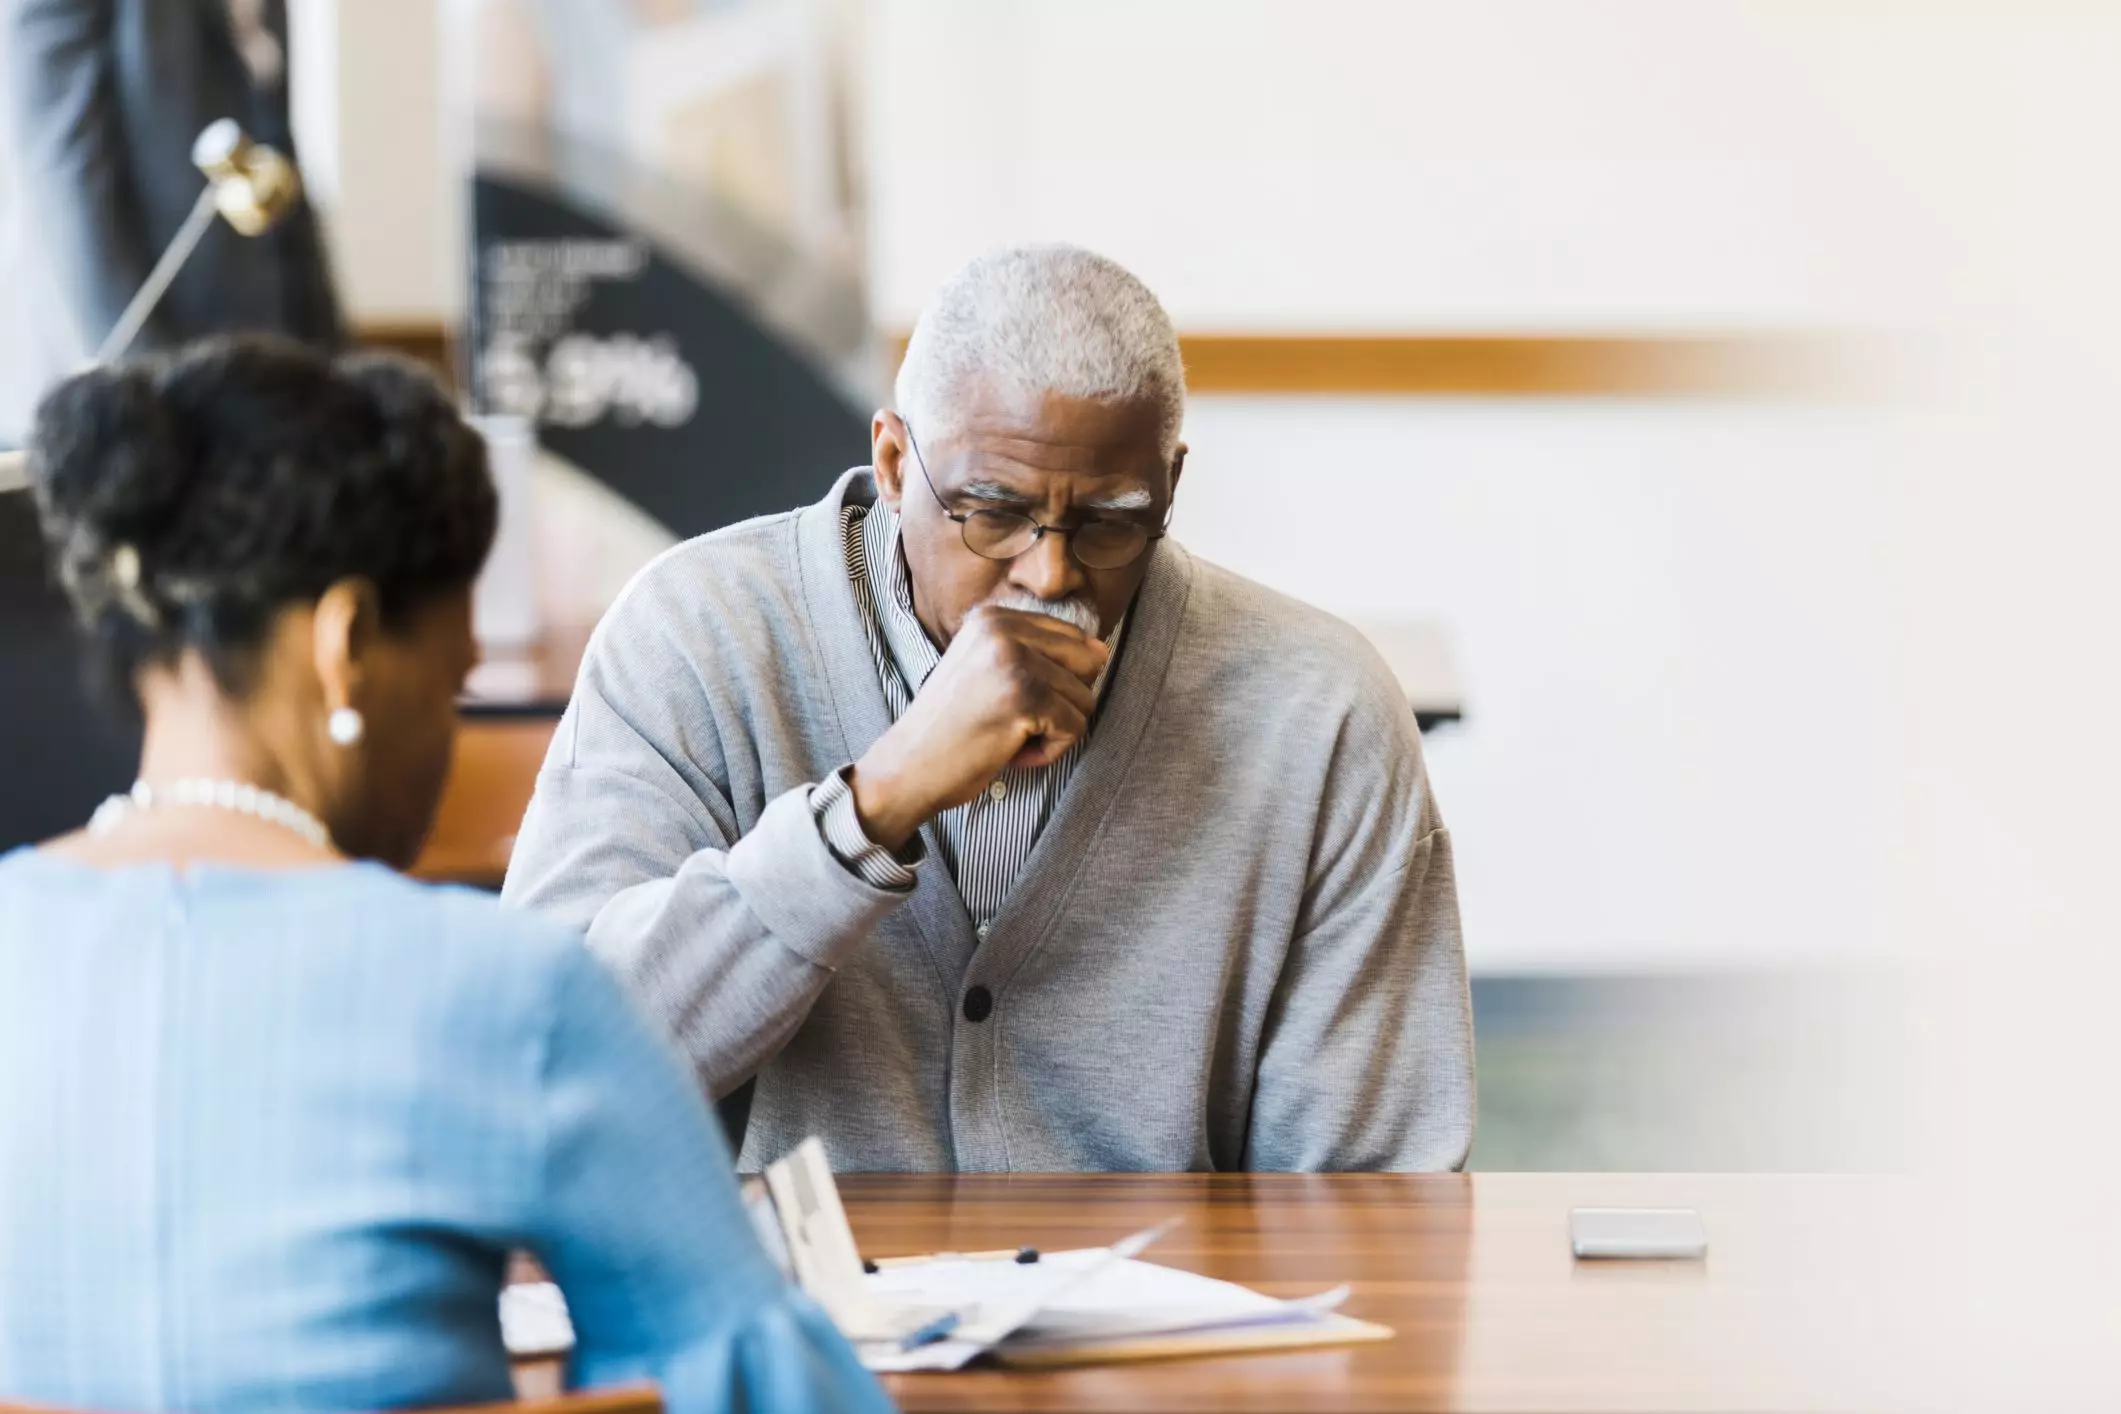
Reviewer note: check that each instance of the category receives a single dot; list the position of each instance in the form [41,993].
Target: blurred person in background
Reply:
[273,1117]
[104,101]
[966,821]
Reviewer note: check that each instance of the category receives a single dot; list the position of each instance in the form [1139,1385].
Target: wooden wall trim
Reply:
[1437,365]
[428,340]
[1497,365]
[1508,365]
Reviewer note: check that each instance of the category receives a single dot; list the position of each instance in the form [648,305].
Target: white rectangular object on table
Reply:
[1654,1234]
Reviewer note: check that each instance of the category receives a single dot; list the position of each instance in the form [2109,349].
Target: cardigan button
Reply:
[979,1005]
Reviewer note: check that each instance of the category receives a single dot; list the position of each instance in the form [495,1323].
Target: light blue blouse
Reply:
[266,1139]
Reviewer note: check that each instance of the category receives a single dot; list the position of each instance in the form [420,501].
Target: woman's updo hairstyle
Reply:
[188,499]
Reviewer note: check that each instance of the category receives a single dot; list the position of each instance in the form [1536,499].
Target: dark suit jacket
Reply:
[106,98]
[61,752]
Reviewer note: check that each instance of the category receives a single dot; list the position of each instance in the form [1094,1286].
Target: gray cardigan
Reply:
[1235,946]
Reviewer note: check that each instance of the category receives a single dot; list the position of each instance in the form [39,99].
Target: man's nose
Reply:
[1047,569]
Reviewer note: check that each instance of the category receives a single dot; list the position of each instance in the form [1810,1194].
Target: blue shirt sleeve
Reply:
[641,1226]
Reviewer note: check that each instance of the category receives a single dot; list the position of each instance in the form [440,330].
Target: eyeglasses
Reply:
[1003,535]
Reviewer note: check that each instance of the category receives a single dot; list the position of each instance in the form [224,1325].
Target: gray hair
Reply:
[1033,319]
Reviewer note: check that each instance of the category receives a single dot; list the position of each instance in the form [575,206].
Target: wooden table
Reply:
[506,721]
[1800,1304]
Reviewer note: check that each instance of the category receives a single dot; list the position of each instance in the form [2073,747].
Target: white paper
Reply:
[1068,1323]
[1084,1295]
[889,1359]
[992,1297]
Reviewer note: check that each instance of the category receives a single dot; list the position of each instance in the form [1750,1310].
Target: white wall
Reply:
[1308,164]
[1672,624]
[1423,164]
[376,153]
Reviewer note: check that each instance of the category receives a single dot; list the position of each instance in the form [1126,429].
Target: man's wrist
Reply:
[888,812]
[832,802]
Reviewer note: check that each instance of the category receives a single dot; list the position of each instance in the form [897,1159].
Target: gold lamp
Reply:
[253,185]
[248,184]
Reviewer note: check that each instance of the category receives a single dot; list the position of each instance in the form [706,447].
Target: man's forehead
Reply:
[1060,419]
[1023,442]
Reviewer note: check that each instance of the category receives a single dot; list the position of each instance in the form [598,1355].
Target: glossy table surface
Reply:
[1799,1305]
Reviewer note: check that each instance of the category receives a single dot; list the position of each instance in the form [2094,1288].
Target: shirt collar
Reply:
[912,652]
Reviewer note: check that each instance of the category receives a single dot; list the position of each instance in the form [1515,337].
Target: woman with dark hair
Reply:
[271,1116]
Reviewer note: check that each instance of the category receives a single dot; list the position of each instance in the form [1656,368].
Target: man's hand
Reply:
[1013,690]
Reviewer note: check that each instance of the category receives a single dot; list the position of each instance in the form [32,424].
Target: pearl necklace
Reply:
[214,795]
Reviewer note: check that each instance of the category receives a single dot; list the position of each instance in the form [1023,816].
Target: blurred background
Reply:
[1651,380]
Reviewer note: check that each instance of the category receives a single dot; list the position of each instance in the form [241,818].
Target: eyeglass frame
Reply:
[1039,529]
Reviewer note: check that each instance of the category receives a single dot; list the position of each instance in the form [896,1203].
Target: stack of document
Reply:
[1094,1304]
[1086,1306]
[1067,1308]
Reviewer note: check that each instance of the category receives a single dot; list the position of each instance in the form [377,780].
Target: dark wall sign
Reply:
[641,372]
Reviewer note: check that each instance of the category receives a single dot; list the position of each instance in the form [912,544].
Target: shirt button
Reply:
[979,1005]
[982,931]
[996,791]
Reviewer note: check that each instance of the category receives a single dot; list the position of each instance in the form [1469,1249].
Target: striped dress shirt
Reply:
[984,844]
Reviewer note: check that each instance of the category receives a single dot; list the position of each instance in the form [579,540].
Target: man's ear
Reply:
[344,629]
[887,456]
[1178,467]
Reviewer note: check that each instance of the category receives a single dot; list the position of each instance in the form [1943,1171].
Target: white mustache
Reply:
[1068,611]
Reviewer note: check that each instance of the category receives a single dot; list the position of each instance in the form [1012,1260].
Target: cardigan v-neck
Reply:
[1235,944]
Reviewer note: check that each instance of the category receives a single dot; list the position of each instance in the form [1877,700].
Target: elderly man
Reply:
[973,824]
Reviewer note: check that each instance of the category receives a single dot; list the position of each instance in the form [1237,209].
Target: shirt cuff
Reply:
[832,803]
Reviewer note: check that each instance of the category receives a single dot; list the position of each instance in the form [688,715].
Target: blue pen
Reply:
[934,1331]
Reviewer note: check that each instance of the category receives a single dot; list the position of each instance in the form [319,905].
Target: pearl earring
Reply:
[345,726]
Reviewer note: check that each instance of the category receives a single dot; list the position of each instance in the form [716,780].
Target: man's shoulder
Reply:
[1298,695]
[1241,624]
[731,595]
[747,562]
[751,567]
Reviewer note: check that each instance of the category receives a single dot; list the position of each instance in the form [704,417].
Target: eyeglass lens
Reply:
[1099,544]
